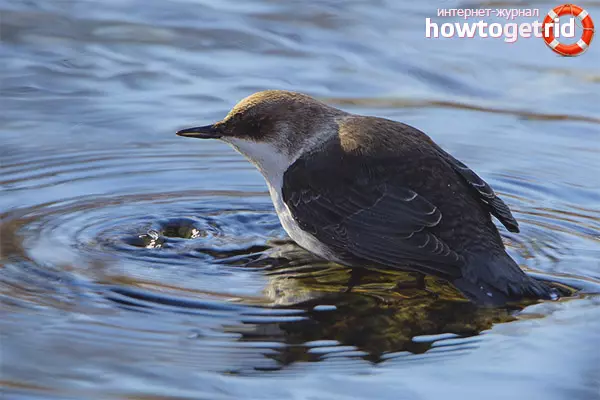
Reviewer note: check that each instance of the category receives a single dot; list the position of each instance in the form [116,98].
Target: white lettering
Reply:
[511,33]
[447,30]
[547,28]
[481,25]
[570,26]
[536,26]
[429,26]
[525,30]
[466,30]
[502,13]
[498,28]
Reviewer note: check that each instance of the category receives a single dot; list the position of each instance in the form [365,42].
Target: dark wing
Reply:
[485,193]
[367,219]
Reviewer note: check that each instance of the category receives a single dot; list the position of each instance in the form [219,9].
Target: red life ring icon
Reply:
[582,44]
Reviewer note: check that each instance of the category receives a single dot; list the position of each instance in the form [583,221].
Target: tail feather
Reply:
[497,280]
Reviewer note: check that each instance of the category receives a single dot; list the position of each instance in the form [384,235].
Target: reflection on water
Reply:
[138,265]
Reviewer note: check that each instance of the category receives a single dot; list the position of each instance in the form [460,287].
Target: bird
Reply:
[369,192]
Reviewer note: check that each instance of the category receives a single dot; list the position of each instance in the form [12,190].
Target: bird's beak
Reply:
[201,132]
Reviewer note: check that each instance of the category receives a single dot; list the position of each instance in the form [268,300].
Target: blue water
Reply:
[136,263]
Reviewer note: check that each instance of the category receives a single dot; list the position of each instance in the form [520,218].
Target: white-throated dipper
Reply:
[366,191]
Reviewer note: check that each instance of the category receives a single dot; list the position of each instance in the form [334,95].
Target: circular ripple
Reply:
[208,262]
[160,237]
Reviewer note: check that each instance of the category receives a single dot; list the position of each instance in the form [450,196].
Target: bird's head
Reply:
[272,127]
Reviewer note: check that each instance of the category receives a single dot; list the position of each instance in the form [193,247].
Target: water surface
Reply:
[136,263]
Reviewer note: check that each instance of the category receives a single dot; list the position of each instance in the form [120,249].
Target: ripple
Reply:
[434,103]
[136,265]
[555,234]
[215,265]
[38,172]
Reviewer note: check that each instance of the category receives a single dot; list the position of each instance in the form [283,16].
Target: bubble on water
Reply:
[153,234]
[152,240]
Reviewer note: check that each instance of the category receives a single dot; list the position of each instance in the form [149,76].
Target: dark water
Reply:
[136,264]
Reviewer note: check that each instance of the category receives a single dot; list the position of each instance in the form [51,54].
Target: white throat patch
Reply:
[270,160]
[272,163]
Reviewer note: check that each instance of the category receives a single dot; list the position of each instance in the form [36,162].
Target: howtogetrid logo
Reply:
[550,25]
[551,30]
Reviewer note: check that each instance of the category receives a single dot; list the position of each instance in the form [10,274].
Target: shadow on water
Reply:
[307,301]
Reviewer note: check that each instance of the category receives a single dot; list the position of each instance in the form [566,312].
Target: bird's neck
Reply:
[267,158]
[272,160]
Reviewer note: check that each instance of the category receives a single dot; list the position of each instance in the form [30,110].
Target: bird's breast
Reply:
[300,236]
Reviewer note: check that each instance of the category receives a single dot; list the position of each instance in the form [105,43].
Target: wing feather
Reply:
[375,222]
[486,194]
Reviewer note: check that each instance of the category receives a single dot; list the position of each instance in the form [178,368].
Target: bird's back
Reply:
[381,192]
[404,156]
